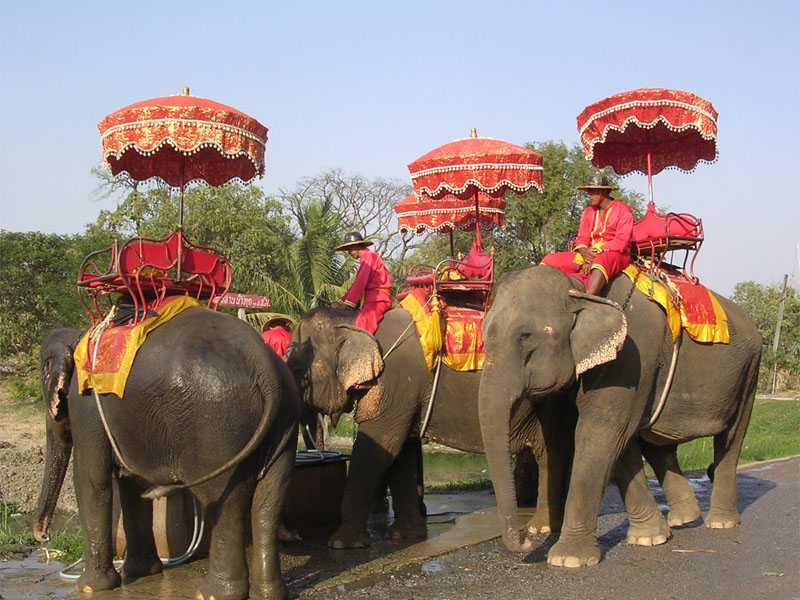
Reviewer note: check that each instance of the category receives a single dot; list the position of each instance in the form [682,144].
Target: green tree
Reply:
[314,270]
[761,303]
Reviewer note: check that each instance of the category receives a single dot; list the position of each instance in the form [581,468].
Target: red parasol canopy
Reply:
[648,130]
[181,139]
[418,214]
[476,163]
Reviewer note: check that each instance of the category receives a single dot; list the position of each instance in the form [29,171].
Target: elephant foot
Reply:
[683,512]
[134,568]
[407,531]
[722,519]
[96,581]
[652,532]
[216,589]
[269,591]
[347,538]
[574,553]
[541,523]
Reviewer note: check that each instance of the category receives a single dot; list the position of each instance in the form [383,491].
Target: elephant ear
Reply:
[359,360]
[56,376]
[599,330]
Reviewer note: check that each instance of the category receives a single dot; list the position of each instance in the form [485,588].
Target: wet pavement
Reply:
[461,560]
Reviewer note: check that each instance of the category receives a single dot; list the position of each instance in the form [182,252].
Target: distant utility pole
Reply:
[776,339]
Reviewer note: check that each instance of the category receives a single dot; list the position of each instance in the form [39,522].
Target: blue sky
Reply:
[369,86]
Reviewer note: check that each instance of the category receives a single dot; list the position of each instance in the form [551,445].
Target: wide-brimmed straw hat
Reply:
[352,241]
[274,321]
[598,181]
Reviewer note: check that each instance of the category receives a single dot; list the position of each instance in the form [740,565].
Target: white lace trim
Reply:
[646,103]
[117,154]
[423,227]
[438,211]
[193,122]
[477,166]
[474,182]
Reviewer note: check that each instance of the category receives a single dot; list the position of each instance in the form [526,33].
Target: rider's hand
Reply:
[588,254]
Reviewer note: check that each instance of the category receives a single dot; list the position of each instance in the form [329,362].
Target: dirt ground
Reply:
[22,452]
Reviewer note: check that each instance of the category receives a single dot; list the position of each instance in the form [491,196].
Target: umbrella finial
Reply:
[474,132]
[186,90]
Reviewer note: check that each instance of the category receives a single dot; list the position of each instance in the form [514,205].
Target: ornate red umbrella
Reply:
[648,130]
[181,139]
[418,214]
[466,168]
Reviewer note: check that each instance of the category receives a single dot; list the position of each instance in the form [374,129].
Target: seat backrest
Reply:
[213,266]
[141,252]
[477,264]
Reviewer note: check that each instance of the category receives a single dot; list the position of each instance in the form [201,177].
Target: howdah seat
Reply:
[655,234]
[145,271]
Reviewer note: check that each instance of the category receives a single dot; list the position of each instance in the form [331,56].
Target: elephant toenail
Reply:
[592,561]
[572,562]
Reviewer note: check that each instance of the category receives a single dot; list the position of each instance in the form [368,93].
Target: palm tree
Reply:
[315,272]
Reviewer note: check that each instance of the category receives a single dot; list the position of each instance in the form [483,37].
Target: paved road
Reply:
[760,560]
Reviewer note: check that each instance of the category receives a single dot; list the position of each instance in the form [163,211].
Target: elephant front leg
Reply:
[227,570]
[373,453]
[406,482]
[265,570]
[92,471]
[647,525]
[596,448]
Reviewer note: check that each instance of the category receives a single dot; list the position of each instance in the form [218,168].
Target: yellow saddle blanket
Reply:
[689,305]
[107,373]
[458,344]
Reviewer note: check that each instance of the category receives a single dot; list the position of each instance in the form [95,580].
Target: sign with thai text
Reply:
[234,300]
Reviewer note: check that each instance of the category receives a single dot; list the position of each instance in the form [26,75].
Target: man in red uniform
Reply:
[372,287]
[602,248]
[277,334]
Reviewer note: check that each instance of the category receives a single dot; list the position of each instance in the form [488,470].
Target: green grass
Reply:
[773,433]
[66,541]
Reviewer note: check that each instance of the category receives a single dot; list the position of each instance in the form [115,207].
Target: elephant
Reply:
[387,380]
[207,403]
[615,353]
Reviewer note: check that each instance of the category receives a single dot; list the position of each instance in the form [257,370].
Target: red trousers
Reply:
[371,313]
[609,264]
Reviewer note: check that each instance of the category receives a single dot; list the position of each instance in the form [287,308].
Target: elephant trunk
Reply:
[497,395]
[59,449]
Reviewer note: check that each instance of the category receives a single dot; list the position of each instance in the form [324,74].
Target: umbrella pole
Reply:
[477,222]
[649,177]
[180,233]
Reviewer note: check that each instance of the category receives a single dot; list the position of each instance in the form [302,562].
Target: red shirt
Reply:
[610,230]
[372,280]
[278,338]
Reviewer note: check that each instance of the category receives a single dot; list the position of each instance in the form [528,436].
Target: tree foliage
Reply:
[761,302]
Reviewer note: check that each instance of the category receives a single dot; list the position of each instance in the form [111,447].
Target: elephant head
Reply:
[56,373]
[335,363]
[540,335]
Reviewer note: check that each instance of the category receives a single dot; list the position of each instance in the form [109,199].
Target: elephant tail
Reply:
[268,415]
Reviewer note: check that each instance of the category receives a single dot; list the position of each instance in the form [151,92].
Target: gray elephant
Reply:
[541,333]
[339,367]
[207,406]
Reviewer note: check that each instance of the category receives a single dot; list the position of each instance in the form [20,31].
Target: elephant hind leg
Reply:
[141,556]
[647,525]
[727,449]
[227,577]
[683,506]
[268,500]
